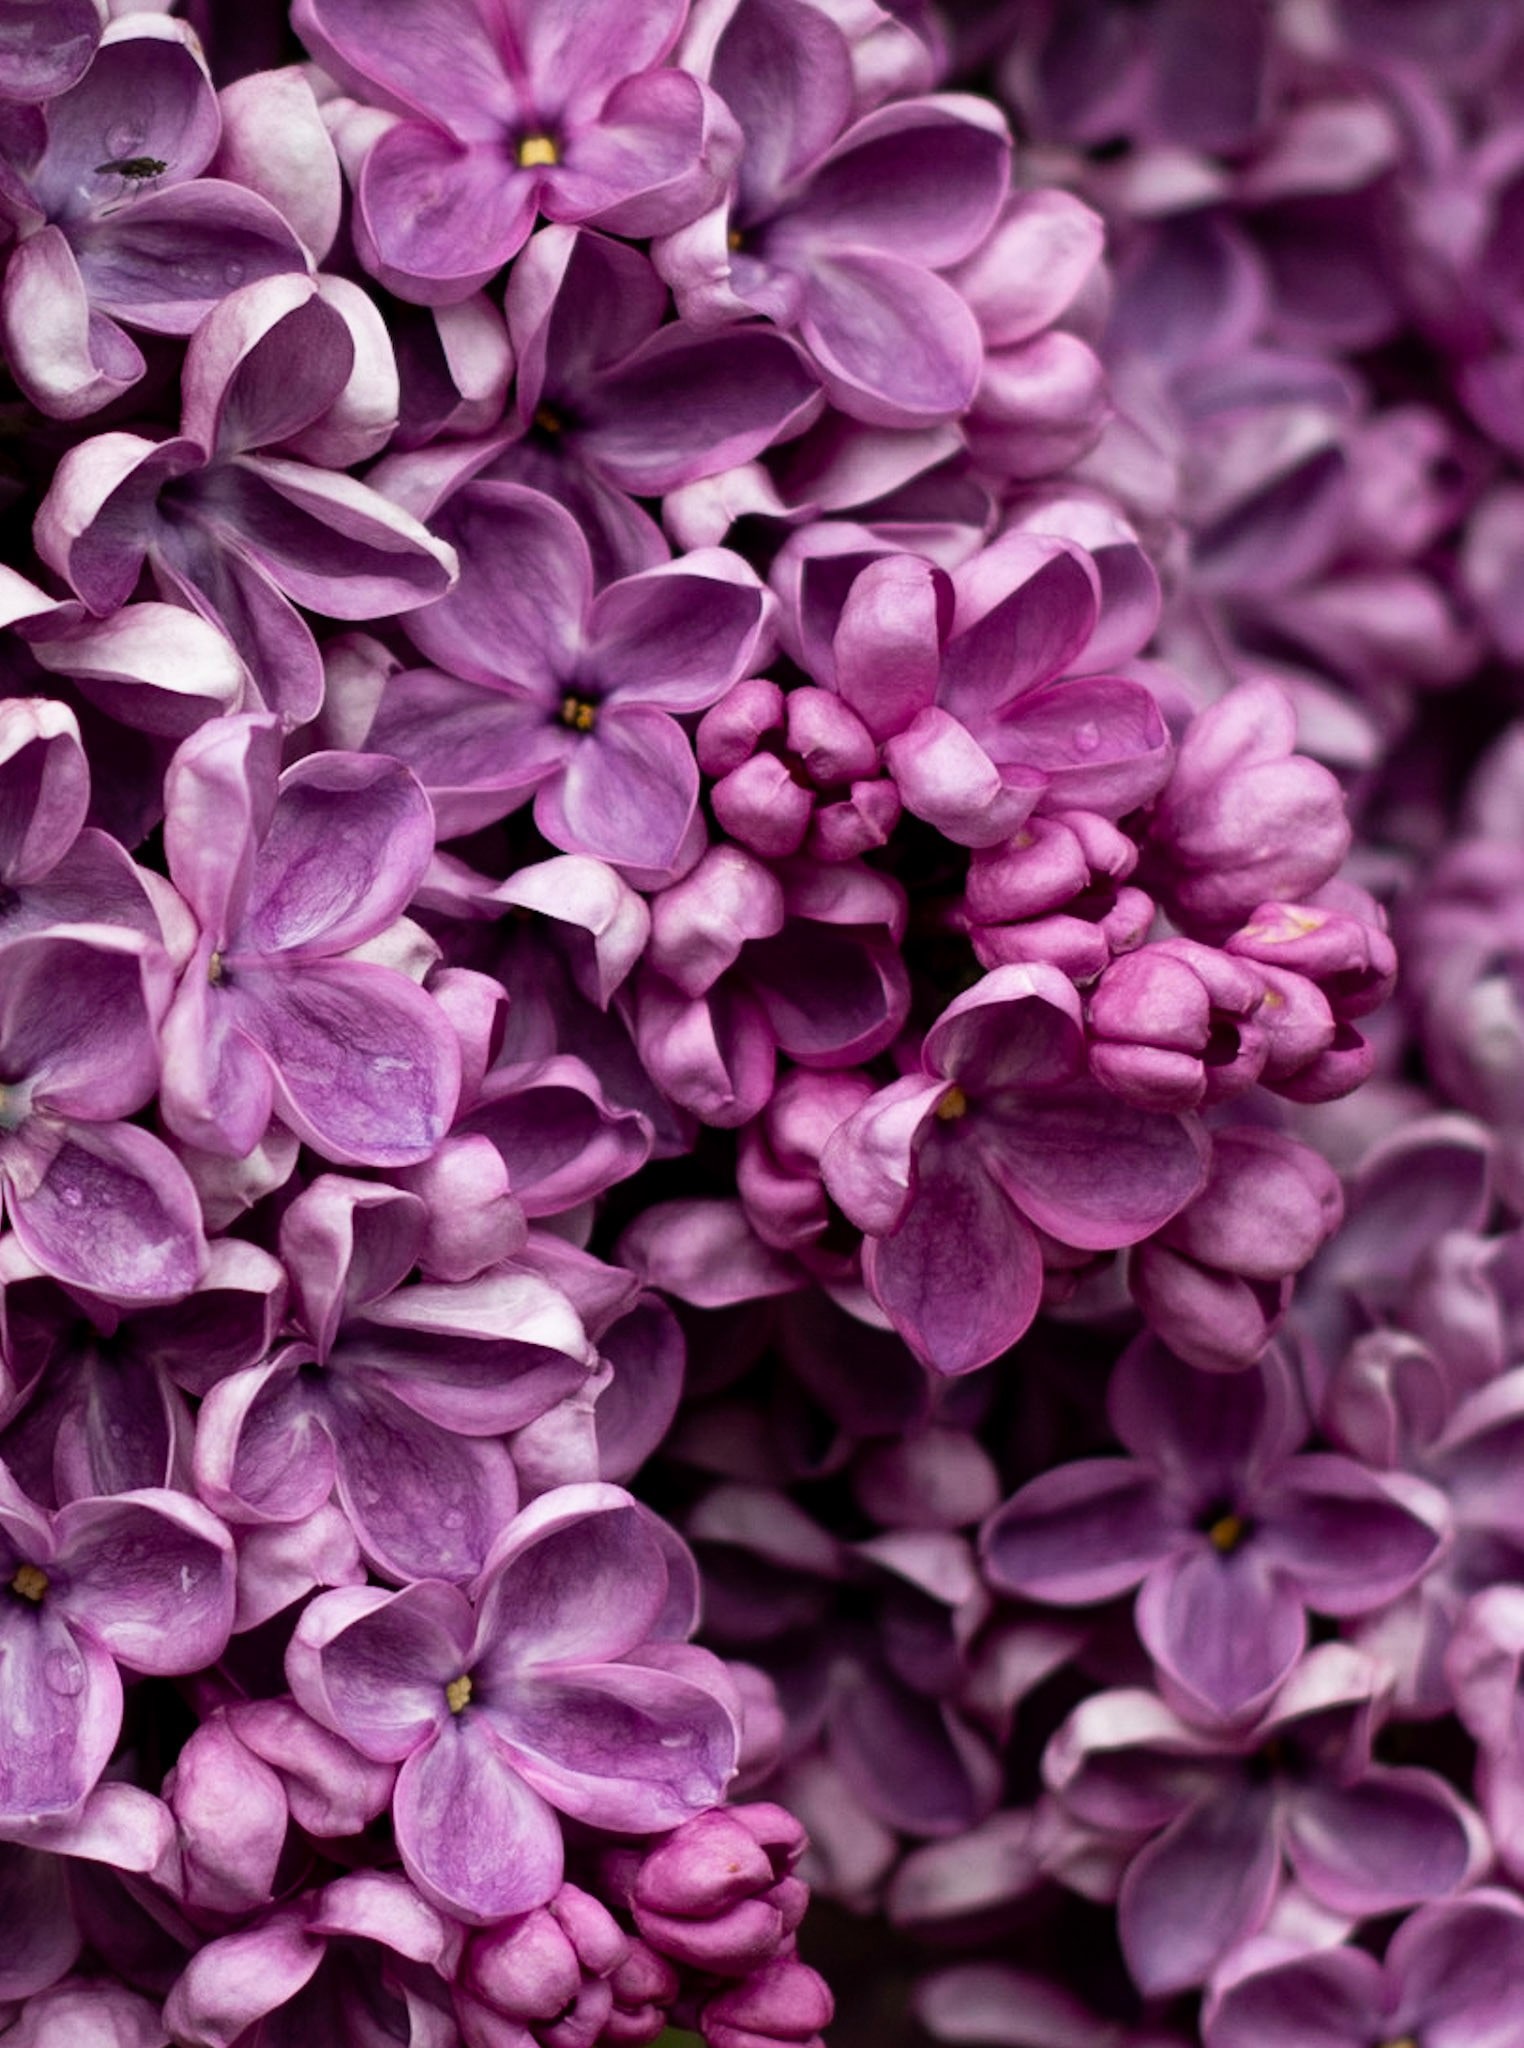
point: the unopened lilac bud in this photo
(1076, 946)
(548, 1969)
(1245, 818)
(730, 732)
(717, 1894)
(783, 2005)
(1215, 1281)
(862, 820)
(831, 742)
(939, 1478)
(1352, 960)
(1173, 1025)
(764, 806)
(644, 1987)
(232, 1814)
(1046, 864)
(778, 1165)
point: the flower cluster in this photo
(705, 786)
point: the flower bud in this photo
(783, 2005)
(717, 1893)
(1174, 1025)
(549, 1969)
(1215, 1281)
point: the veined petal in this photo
(510, 1857)
(366, 1067)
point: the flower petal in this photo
(150, 1575)
(1093, 1171)
(619, 1745)
(60, 1712)
(438, 218)
(366, 1067)
(960, 1276)
(510, 1857)
(896, 346)
(1206, 1883)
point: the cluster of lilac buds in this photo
(721, 724)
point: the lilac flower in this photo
(363, 1951)
(555, 1688)
(119, 1826)
(96, 1406)
(610, 405)
(95, 1201)
(289, 875)
(747, 960)
(511, 111)
(568, 695)
(1209, 1819)
(879, 1679)
(949, 1170)
(1229, 1537)
(393, 1397)
(1451, 1971)
(966, 680)
(833, 227)
(232, 532)
(144, 1580)
(114, 222)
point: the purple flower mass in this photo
(761, 1024)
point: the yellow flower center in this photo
(734, 240)
(578, 714)
(1226, 1533)
(458, 1694)
(953, 1105)
(537, 151)
(548, 420)
(31, 1582)
(214, 969)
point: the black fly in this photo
(137, 168)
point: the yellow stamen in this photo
(1407, 2041)
(548, 421)
(734, 239)
(1226, 1533)
(953, 1105)
(458, 1694)
(30, 1582)
(214, 969)
(537, 151)
(578, 714)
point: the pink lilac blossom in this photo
(723, 724)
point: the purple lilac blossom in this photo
(820, 964)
